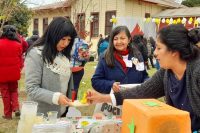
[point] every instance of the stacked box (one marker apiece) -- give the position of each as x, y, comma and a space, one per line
153, 116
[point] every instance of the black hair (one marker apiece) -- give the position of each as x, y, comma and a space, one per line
109, 54
152, 41
35, 32
107, 38
144, 40
10, 32
177, 38
136, 39
194, 35
57, 29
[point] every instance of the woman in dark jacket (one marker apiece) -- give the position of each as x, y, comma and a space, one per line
122, 63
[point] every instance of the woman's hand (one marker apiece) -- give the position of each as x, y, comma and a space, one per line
63, 100
94, 97
115, 86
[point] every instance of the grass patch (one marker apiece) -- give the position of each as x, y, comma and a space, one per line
86, 80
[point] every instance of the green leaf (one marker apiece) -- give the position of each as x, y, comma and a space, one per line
131, 126
191, 3
2, 17
152, 104
19, 14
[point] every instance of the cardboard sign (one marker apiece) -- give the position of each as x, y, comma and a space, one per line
107, 109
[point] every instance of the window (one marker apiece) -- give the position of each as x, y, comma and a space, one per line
68, 17
108, 24
94, 25
61, 16
35, 24
147, 15
45, 24
80, 25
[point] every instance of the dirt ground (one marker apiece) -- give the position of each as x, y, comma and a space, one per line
10, 126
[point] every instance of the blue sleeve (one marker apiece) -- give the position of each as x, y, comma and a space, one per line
99, 79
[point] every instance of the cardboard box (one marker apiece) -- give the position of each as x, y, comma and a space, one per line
153, 116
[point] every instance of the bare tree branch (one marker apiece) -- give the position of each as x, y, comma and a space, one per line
87, 5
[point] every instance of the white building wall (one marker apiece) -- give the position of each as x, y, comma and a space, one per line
90, 6
100, 6
123, 8
46, 14
138, 8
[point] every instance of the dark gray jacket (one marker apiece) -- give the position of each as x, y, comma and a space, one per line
157, 87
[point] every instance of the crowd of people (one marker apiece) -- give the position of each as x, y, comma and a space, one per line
54, 67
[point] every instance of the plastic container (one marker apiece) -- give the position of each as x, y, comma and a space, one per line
58, 127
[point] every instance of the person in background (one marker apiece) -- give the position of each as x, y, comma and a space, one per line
141, 46
33, 38
78, 61
144, 42
103, 46
99, 42
150, 53
47, 74
193, 32
23, 42
153, 43
24, 48
178, 79
122, 63
10, 67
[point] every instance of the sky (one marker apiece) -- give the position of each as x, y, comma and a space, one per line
178, 1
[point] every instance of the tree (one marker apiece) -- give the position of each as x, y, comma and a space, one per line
20, 18
6, 9
16, 13
79, 17
191, 3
